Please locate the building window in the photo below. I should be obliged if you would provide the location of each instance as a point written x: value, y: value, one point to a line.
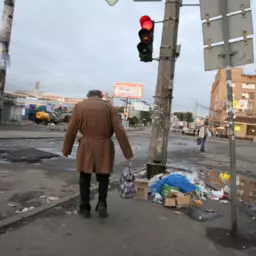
x: 250, y: 107
x: 248, y: 86
x: 251, y: 130
x: 249, y: 96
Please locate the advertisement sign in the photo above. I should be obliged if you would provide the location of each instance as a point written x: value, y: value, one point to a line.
x: 128, y: 90
x: 140, y: 106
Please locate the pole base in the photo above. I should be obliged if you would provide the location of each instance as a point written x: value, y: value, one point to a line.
x: 154, y: 169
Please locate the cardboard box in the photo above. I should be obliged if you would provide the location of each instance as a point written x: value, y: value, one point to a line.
x: 170, y: 202
x: 184, y: 201
x: 178, y: 200
x: 142, y: 189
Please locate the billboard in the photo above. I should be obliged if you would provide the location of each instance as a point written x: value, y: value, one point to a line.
x: 128, y: 90
x: 140, y: 106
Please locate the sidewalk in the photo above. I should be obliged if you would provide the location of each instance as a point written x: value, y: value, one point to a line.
x: 134, y: 228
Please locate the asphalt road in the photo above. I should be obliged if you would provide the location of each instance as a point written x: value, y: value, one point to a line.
x: 182, y: 152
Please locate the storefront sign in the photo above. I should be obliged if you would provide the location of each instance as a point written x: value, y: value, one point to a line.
x: 237, y: 128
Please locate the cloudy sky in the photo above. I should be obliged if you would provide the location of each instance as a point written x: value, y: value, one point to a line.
x: 72, y: 46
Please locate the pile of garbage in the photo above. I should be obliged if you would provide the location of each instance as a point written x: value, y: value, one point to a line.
x: 184, y: 190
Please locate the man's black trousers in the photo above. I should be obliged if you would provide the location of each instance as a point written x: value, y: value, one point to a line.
x: 85, y: 182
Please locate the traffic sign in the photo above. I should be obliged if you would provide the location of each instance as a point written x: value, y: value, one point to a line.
x: 238, y: 25
x: 243, y: 54
x: 111, y: 2
x: 212, y: 8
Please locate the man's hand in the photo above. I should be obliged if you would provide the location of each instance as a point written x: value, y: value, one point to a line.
x: 65, y: 155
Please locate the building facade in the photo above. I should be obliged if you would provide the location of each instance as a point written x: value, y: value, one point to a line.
x: 12, y: 108
x: 244, y: 95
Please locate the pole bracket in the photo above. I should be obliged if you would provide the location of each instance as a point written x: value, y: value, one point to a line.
x: 230, y: 53
x: 168, y: 19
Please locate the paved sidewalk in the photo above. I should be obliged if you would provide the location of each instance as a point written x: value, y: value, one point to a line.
x: 134, y: 228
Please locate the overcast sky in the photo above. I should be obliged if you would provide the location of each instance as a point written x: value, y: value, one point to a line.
x: 72, y: 46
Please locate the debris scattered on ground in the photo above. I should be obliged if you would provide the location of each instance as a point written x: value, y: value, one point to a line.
x: 224, y: 201
x: 51, y: 199
x: 75, y: 212
x: 26, y: 209
x: 12, y: 205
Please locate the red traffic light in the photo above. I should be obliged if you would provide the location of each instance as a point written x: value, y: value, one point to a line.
x: 146, y: 22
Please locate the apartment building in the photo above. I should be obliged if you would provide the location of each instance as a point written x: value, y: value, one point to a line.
x: 244, y: 95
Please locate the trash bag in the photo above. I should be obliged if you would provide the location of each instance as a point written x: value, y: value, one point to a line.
x: 174, y: 180
x: 166, y: 189
x: 200, y: 214
x: 157, y: 198
x: 127, y: 187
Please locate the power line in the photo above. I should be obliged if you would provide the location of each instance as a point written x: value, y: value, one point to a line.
x: 48, y: 58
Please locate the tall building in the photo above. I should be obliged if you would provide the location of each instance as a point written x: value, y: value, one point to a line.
x: 244, y: 95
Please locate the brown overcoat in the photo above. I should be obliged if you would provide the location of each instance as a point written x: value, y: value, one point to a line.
x: 96, y: 120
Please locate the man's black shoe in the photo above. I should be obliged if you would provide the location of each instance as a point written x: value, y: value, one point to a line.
x: 102, y: 211
x: 85, y: 214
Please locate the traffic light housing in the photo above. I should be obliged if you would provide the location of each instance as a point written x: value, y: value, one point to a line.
x: 146, y: 35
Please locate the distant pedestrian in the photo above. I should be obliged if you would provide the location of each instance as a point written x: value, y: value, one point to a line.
x: 204, y: 133
x: 96, y: 120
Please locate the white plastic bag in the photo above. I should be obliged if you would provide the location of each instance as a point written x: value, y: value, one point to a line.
x: 127, y: 187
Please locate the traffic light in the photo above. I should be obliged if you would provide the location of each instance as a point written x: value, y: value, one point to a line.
x: 146, y: 34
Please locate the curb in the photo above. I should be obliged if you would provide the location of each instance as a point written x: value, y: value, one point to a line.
x: 5, y: 223
x: 31, y: 138
x: 11, y: 221
x: 60, y: 136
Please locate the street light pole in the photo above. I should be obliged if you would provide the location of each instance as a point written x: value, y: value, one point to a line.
x: 5, y: 36
x: 164, y: 89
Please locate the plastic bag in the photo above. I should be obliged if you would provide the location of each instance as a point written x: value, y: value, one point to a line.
x: 173, y: 180
x: 166, y: 189
x: 157, y: 198
x: 127, y: 187
x: 200, y: 214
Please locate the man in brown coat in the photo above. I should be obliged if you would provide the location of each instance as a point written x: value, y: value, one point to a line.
x: 97, y: 121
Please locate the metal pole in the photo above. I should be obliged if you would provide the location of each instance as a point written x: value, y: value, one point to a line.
x: 232, y: 146
x: 5, y: 36
x: 164, y: 88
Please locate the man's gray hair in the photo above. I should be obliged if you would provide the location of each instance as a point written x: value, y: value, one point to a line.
x: 93, y: 93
